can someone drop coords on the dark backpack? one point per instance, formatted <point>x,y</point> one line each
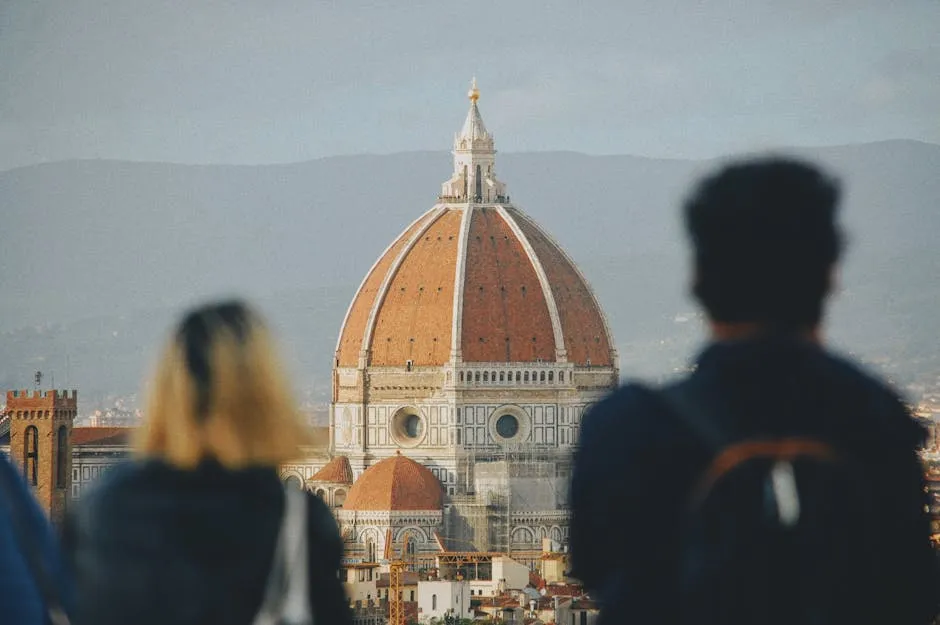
<point>777,530</point>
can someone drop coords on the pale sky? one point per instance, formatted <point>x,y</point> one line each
<point>264,81</point>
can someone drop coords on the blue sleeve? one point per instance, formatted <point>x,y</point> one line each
<point>19,593</point>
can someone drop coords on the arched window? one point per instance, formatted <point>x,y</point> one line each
<point>410,547</point>
<point>551,376</point>
<point>461,376</point>
<point>517,376</point>
<point>320,493</point>
<point>525,377</point>
<point>502,376</point>
<point>465,181</point>
<point>294,482</point>
<point>486,376</point>
<point>370,550</point>
<point>339,498</point>
<point>476,376</point>
<point>493,376</point>
<point>561,376</point>
<point>478,191</point>
<point>61,457</point>
<point>31,455</point>
<point>542,376</point>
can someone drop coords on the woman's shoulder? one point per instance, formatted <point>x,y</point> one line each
<point>320,517</point>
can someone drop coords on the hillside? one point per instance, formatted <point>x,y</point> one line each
<point>98,256</point>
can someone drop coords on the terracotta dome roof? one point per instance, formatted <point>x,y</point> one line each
<point>396,483</point>
<point>519,297</point>
<point>337,471</point>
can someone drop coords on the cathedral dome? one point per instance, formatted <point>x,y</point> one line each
<point>474,280</point>
<point>396,483</point>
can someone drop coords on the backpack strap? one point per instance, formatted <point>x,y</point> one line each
<point>286,595</point>
<point>296,605</point>
<point>728,453</point>
<point>29,547</point>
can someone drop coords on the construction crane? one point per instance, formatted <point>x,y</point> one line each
<point>396,570</point>
<point>396,603</point>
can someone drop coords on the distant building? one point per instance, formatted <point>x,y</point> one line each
<point>443,598</point>
<point>473,347</point>
<point>37,430</point>
<point>94,451</point>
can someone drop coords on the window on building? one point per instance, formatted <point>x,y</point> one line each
<point>551,376</point>
<point>486,376</point>
<point>433,602</point>
<point>542,377</point>
<point>525,377</point>
<point>461,376</point>
<point>339,498</point>
<point>31,455</point>
<point>61,457</point>
<point>370,550</point>
<point>412,595</point>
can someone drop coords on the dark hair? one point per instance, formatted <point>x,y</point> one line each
<point>196,333</point>
<point>765,240</point>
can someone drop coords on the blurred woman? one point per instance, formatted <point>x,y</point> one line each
<point>199,529</point>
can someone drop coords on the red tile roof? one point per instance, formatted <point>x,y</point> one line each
<point>396,483</point>
<point>103,436</point>
<point>337,471</point>
<point>408,296</point>
<point>505,314</point>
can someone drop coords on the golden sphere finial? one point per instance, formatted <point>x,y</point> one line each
<point>474,93</point>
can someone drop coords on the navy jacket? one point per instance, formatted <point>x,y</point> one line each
<point>151,544</point>
<point>636,465</point>
<point>20,599</point>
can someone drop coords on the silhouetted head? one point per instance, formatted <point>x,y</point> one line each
<point>219,392</point>
<point>765,242</point>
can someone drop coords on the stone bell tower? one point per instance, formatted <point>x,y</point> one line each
<point>40,425</point>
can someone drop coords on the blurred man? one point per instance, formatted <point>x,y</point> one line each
<point>777,483</point>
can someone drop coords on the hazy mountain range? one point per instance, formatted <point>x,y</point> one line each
<point>98,257</point>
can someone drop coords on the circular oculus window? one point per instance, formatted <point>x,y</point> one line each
<point>507,426</point>
<point>407,427</point>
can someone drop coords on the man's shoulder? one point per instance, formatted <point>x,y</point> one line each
<point>886,412</point>
<point>632,412</point>
<point>631,398</point>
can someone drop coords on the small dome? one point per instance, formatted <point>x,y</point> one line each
<point>396,483</point>
<point>337,471</point>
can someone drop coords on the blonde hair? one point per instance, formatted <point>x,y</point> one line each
<point>219,393</point>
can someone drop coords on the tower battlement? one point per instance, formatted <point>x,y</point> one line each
<point>59,399</point>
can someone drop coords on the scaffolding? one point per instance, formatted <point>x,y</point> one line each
<point>504,485</point>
